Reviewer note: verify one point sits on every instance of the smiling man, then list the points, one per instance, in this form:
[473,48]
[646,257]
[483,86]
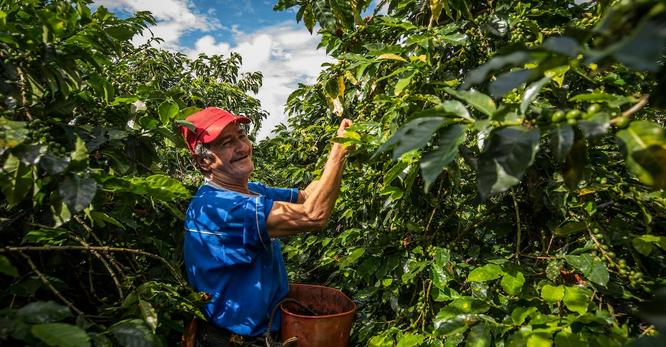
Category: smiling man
[231,228]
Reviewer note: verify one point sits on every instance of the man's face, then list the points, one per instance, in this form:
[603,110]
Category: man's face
[232,152]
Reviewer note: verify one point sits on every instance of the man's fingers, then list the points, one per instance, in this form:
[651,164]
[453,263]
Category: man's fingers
[344,124]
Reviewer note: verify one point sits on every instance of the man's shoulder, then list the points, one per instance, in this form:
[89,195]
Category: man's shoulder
[207,196]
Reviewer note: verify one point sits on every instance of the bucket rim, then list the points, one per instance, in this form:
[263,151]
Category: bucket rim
[346,313]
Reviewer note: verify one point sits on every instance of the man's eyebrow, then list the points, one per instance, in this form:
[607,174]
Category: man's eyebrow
[224,138]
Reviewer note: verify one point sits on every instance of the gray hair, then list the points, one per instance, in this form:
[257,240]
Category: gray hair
[202,149]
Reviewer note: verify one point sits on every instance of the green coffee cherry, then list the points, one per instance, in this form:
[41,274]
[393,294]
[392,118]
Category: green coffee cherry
[574,114]
[594,108]
[557,116]
[622,122]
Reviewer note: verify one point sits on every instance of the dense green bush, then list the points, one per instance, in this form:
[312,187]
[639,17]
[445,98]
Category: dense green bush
[506,186]
[95,177]
[507,183]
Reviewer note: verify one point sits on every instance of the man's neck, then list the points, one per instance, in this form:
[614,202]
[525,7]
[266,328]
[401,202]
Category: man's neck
[233,185]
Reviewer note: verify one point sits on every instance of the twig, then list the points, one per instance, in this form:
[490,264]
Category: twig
[97,239]
[48,284]
[96,248]
[24,95]
[633,109]
[518,230]
[106,265]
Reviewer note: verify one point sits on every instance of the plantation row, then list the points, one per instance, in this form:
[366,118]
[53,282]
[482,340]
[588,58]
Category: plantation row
[505,184]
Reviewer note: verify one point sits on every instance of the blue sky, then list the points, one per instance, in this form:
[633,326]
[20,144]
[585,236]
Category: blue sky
[270,42]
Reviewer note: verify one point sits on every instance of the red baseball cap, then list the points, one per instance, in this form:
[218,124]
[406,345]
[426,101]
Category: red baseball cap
[208,124]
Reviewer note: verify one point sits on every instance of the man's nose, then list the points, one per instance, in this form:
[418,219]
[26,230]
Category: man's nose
[244,146]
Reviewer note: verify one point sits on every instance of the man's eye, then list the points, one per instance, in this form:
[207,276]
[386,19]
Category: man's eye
[226,143]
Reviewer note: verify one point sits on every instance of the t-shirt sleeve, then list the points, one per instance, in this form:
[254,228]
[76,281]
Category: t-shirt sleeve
[276,194]
[231,228]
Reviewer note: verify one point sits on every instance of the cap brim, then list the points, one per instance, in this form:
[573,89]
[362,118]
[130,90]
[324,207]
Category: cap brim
[215,129]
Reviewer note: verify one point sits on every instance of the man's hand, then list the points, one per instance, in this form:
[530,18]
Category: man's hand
[343,127]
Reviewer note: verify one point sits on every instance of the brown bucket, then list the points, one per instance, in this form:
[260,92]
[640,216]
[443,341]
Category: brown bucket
[330,326]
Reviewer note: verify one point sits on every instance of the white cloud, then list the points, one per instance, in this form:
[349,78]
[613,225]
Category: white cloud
[285,54]
[175,17]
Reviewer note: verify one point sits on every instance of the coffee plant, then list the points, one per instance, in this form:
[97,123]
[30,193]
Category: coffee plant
[505,187]
[506,184]
[95,176]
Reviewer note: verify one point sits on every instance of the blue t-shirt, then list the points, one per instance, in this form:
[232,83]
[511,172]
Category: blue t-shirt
[229,255]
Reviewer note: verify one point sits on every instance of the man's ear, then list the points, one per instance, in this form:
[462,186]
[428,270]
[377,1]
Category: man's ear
[204,162]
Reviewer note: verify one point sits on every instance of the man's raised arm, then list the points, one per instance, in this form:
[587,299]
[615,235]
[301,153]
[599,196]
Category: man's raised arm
[318,201]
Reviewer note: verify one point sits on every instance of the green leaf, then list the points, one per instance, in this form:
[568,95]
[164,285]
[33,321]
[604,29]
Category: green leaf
[565,339]
[644,146]
[433,162]
[61,335]
[519,314]
[394,172]
[481,102]
[167,111]
[570,228]
[54,164]
[456,39]
[411,269]
[645,243]
[506,82]
[17,181]
[612,100]
[80,153]
[561,140]
[456,108]
[562,45]
[12,133]
[479,336]
[120,32]
[463,305]
[480,74]
[643,50]
[133,333]
[513,282]
[60,213]
[485,273]
[410,340]
[507,155]
[353,256]
[595,126]
[77,192]
[539,340]
[531,92]
[391,56]
[186,124]
[403,83]
[43,312]
[595,272]
[577,299]
[413,135]
[451,326]
[6,267]
[149,314]
[552,294]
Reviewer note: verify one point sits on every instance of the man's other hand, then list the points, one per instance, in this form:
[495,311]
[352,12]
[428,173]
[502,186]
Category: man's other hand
[343,127]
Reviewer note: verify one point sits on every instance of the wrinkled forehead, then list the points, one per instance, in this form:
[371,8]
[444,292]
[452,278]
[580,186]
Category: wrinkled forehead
[231,130]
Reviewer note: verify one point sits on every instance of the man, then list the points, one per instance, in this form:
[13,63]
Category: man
[231,225]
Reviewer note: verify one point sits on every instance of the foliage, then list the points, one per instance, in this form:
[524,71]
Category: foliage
[506,185]
[95,176]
